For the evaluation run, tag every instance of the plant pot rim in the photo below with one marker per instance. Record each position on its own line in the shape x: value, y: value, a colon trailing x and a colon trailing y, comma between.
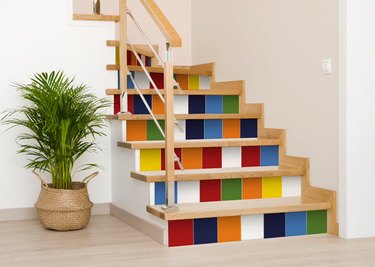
x: 81, y: 184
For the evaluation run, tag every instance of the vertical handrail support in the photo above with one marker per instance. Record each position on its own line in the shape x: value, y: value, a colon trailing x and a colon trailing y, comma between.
x: 123, y: 56
x: 169, y: 133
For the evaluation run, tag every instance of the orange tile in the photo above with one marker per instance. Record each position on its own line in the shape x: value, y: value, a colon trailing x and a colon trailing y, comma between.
x: 133, y: 60
x: 192, y: 158
x: 157, y: 105
x: 251, y: 188
x: 229, y: 229
x: 231, y: 129
x: 183, y: 80
x: 136, y: 130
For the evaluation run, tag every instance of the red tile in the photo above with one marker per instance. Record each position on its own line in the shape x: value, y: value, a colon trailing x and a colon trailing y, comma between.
x: 129, y: 57
x: 116, y: 104
x: 178, y: 153
x: 250, y: 156
x: 131, y: 103
x: 180, y: 233
x: 211, y: 157
x: 158, y: 79
x: 210, y: 190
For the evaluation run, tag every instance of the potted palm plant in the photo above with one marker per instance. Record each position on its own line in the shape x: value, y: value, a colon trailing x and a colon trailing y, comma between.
x: 62, y: 121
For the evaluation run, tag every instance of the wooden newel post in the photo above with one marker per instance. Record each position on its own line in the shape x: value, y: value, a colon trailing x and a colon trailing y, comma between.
x: 123, y: 56
x: 169, y: 131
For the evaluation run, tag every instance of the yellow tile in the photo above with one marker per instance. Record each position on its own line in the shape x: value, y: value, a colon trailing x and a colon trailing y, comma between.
x: 150, y: 160
x: 272, y: 187
x: 193, y: 82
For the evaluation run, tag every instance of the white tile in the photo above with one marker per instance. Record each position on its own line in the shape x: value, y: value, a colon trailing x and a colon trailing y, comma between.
x: 204, y: 82
x: 291, y: 186
x: 143, y: 59
x: 137, y: 154
x: 180, y: 135
x: 123, y: 127
x: 152, y: 194
x: 252, y: 227
x: 231, y: 157
x: 181, y: 104
x: 142, y: 81
x: 188, y: 192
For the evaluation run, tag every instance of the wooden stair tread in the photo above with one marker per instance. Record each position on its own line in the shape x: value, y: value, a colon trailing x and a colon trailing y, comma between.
x: 187, y: 116
x: 140, y: 50
x: 176, y: 92
x: 228, y: 142
x: 96, y: 17
x: 239, y: 207
x: 219, y: 173
x: 176, y: 70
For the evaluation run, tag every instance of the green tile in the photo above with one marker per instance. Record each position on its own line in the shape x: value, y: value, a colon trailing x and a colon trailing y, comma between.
x: 316, y: 222
x: 231, y: 104
x: 153, y: 132
x: 231, y: 189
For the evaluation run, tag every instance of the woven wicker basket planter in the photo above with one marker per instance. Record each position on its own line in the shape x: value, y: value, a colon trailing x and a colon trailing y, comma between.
x: 64, y: 210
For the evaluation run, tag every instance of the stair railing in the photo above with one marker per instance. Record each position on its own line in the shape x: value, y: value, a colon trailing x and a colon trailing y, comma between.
x: 148, y: 75
x: 172, y: 40
x: 145, y: 37
x: 176, y: 158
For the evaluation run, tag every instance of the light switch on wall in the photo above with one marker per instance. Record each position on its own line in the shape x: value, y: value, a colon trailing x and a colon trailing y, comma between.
x: 326, y: 66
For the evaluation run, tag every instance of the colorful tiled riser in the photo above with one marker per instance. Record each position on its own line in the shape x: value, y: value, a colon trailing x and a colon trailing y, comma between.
x: 211, y: 157
x: 183, y: 104
x: 229, y: 189
x: 132, y: 60
x: 146, y: 130
x: 237, y: 228
x: 193, y: 104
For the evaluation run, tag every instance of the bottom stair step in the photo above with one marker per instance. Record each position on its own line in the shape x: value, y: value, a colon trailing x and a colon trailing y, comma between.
x: 238, y: 208
x: 230, y: 221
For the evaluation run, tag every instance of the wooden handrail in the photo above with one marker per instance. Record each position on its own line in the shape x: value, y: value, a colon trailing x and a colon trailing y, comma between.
x: 163, y: 23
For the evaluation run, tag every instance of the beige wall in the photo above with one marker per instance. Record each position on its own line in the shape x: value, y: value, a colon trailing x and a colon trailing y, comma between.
x: 277, y: 46
x: 178, y: 12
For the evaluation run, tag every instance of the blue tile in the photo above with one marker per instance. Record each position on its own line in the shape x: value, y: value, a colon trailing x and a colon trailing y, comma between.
x: 194, y: 129
x: 249, y: 128
x: 197, y: 104
x: 160, y: 193
x: 295, y: 223
x: 269, y: 156
x: 139, y: 106
x: 205, y: 231
x: 214, y: 104
x: 213, y: 129
x: 274, y: 225
x: 130, y: 83
x: 118, y: 79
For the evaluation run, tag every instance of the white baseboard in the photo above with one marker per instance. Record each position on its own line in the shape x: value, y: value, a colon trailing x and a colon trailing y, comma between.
x: 22, y: 214
x: 152, y: 230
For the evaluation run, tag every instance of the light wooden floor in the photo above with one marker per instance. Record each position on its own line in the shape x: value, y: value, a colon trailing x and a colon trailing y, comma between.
x: 108, y: 242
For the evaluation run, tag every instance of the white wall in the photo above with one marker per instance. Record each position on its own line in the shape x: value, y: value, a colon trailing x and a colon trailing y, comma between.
x: 43, y: 38
x: 178, y: 12
x: 277, y: 47
x: 357, y: 117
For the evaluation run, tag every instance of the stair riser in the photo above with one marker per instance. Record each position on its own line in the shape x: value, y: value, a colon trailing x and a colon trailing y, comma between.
x: 194, y: 129
x: 187, y: 82
x: 238, y: 228
x: 210, y: 157
x: 194, y: 104
x: 230, y: 189
x: 132, y: 60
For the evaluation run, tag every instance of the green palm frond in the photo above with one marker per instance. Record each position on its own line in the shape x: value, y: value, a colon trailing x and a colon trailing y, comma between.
x: 63, y: 121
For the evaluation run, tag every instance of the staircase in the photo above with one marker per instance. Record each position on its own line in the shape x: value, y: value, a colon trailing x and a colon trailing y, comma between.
x: 237, y: 183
